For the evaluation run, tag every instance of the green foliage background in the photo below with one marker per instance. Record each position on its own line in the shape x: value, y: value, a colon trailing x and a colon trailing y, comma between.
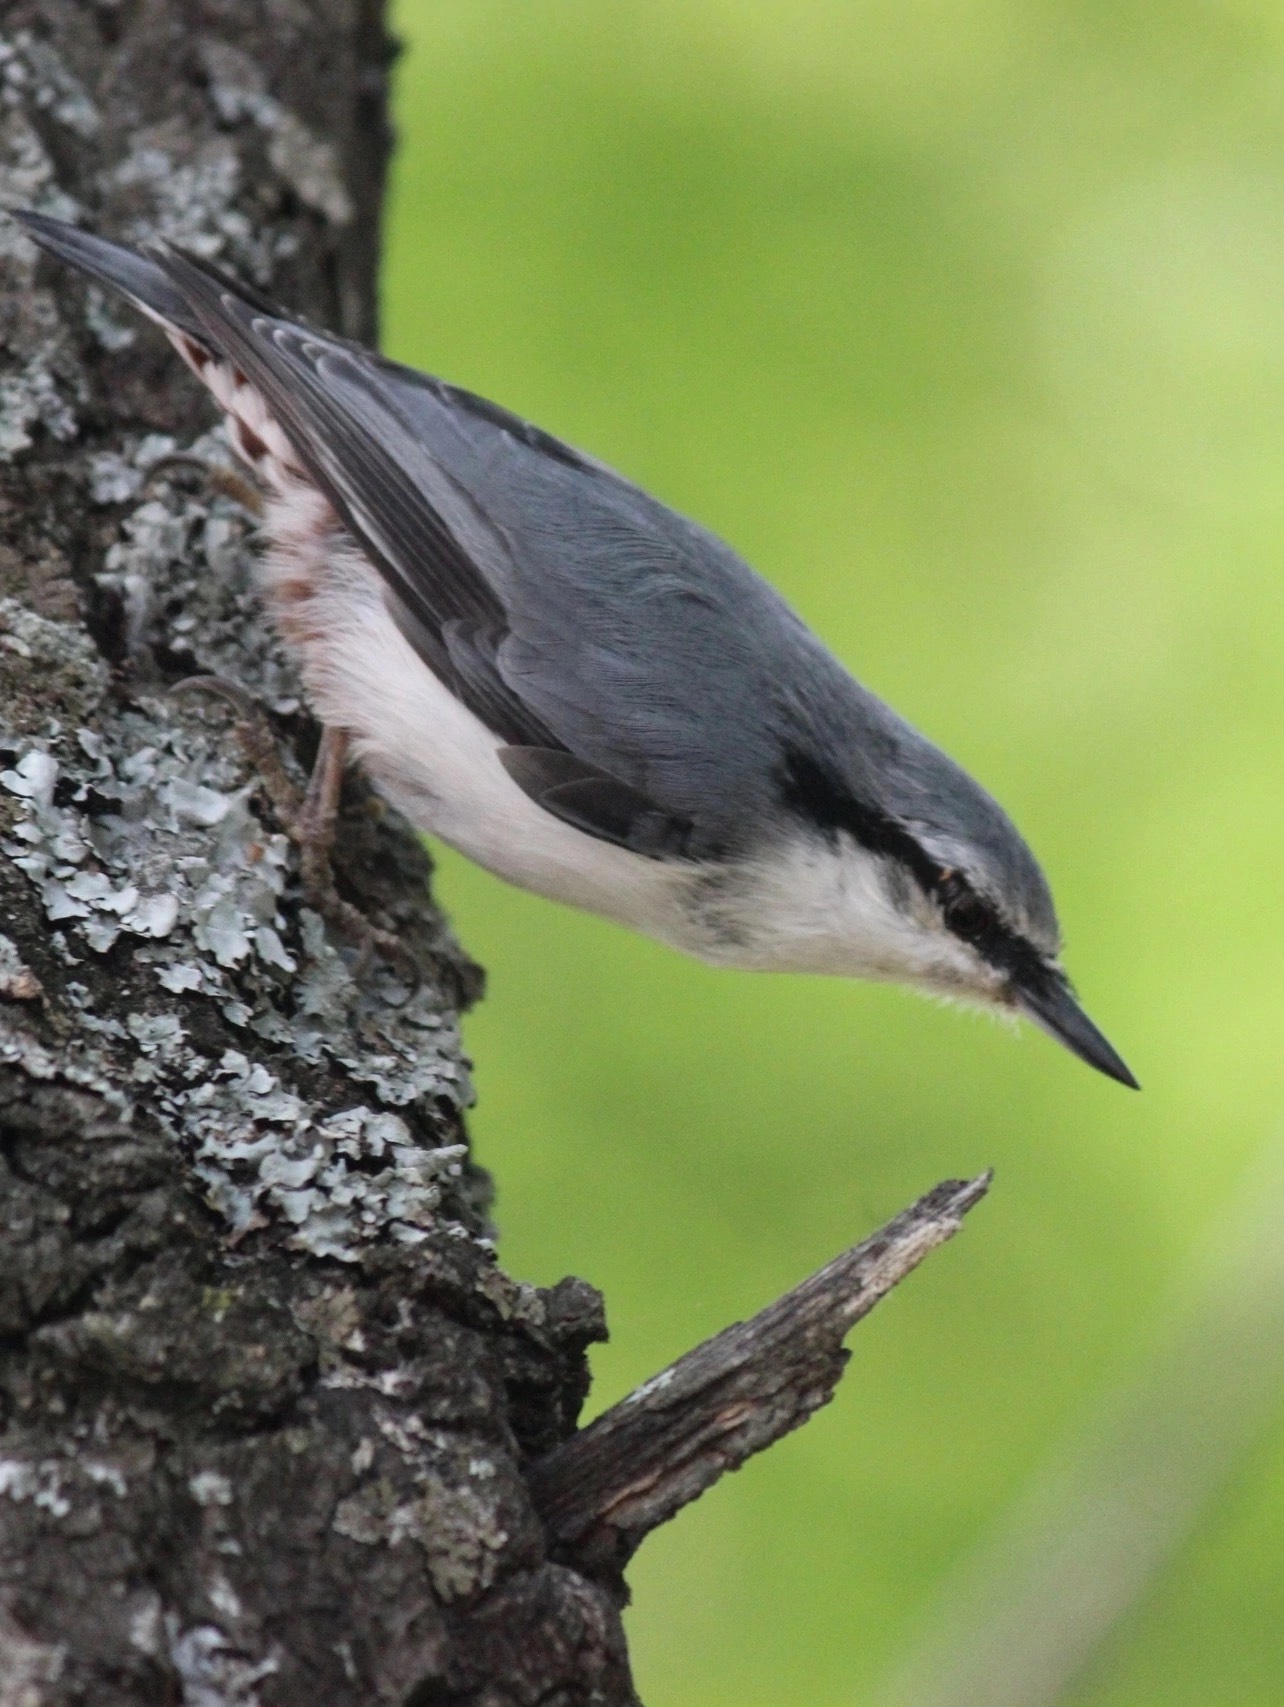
x: 964, y: 321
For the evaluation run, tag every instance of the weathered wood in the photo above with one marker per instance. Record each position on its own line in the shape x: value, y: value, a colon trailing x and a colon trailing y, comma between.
x: 605, y: 1489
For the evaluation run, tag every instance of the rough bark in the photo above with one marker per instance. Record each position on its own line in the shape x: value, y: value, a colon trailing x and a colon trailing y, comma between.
x: 270, y: 1414
x: 602, y: 1491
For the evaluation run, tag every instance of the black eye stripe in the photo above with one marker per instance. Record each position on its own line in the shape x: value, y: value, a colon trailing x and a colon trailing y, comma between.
x: 974, y: 920
x: 808, y: 789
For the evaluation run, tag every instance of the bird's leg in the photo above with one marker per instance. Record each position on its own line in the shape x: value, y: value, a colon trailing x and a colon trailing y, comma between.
x: 313, y: 831
x: 309, y: 819
x: 315, y: 821
x: 229, y: 481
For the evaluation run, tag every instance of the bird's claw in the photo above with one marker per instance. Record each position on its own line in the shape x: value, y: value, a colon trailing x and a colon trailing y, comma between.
x: 259, y: 745
x: 309, y: 819
x: 228, y: 481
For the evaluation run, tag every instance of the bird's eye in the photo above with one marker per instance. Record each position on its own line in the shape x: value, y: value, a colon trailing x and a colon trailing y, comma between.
x: 966, y: 913
x: 973, y: 919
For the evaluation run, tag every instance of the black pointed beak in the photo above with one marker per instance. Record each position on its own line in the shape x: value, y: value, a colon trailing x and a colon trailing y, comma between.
x: 1052, y: 1007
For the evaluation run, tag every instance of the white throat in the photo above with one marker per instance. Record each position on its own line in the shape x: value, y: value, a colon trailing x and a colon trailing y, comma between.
x: 828, y: 906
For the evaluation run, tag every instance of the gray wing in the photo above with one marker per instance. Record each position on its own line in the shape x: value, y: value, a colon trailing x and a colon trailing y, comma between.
x: 633, y: 663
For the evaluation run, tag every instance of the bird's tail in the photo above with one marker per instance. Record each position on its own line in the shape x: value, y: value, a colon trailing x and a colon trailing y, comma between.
x: 154, y: 284
x: 141, y: 280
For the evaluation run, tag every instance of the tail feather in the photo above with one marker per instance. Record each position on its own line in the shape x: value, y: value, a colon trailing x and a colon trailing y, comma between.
x: 153, y: 284
x: 134, y: 276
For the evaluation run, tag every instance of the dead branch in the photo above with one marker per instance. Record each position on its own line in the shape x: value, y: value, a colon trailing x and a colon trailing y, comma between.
x: 603, y: 1491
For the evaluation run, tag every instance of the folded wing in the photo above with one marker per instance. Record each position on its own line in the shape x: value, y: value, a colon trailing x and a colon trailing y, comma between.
x: 624, y: 655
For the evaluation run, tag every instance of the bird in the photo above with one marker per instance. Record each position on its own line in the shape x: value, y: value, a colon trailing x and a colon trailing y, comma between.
x: 583, y: 691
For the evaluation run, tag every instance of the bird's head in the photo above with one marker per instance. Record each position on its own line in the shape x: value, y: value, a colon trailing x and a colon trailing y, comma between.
x: 998, y: 942
x: 932, y: 885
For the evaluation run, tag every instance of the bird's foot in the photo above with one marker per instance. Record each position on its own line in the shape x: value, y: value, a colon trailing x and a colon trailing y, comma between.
x: 313, y: 831
x: 229, y: 481
x: 258, y: 743
x: 310, y: 819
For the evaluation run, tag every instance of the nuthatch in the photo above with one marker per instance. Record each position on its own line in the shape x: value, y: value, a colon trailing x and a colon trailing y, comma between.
x: 583, y: 691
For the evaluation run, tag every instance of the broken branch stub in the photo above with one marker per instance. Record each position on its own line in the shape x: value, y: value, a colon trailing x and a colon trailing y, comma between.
x: 601, y: 1492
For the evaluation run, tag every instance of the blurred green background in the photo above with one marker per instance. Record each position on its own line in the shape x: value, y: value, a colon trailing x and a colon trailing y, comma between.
x: 964, y: 321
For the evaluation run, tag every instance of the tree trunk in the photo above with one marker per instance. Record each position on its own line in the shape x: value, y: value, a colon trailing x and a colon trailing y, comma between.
x: 274, y: 1427
x: 265, y: 1396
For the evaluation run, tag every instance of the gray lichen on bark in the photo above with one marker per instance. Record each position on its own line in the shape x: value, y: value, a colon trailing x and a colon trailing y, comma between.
x: 136, y: 826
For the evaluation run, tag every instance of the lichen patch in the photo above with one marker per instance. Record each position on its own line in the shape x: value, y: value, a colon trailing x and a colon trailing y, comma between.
x: 157, y: 865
